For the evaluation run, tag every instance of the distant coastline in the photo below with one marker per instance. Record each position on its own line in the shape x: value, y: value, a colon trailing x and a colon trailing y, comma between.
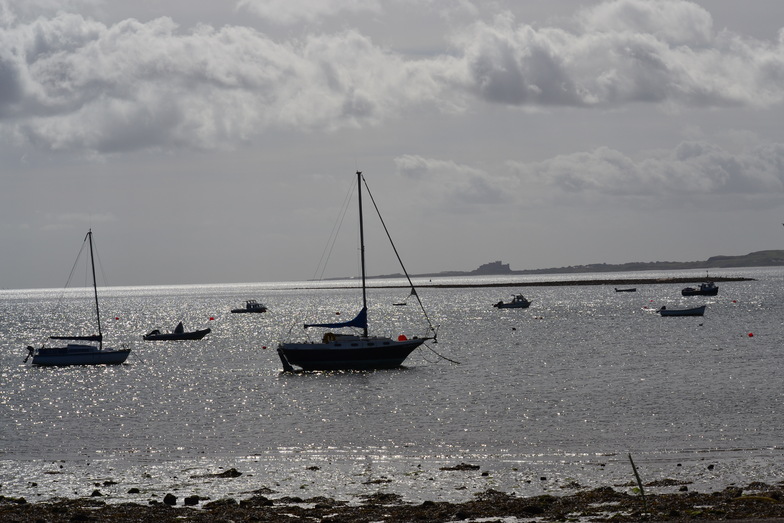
x: 550, y: 283
x: 770, y: 258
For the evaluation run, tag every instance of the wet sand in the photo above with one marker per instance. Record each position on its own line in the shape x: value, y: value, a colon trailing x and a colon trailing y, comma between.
x: 623, y: 503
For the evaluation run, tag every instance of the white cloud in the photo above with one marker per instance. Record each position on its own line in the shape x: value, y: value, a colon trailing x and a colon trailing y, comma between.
x: 291, y: 12
x: 294, y: 11
x: 12, y: 11
x: 72, y: 83
x: 692, y: 169
x: 621, y: 52
x: 672, y: 21
x: 461, y: 188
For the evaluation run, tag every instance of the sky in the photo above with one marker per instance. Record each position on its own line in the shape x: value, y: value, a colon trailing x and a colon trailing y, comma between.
x: 216, y: 142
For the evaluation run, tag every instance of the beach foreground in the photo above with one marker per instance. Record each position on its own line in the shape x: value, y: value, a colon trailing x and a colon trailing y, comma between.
x: 755, y: 502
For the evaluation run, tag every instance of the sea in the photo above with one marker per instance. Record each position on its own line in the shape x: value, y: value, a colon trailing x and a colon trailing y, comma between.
x: 558, y: 397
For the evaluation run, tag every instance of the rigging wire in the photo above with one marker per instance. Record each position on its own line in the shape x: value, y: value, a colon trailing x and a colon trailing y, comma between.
x: 70, y: 275
x: 87, y: 273
x: 441, y: 355
x: 326, y: 253
x: 400, y: 261
x: 333, y: 235
x: 100, y: 265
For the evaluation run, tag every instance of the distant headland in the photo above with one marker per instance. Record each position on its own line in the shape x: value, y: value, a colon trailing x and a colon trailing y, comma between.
x: 771, y: 258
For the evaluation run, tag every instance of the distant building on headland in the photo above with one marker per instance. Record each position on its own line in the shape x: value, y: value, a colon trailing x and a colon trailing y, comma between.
x: 768, y: 258
x: 495, y: 267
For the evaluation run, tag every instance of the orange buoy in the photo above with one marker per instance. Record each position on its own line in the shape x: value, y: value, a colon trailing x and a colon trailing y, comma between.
x: 402, y: 337
x: 751, y: 335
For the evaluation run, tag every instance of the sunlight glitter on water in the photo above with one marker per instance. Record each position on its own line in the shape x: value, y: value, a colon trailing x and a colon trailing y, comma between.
x: 563, y: 390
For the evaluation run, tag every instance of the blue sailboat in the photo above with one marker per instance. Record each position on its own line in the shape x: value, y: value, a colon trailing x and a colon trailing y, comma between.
x: 339, y: 351
x: 80, y: 353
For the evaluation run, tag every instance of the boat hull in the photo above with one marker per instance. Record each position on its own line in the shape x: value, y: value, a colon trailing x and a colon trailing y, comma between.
x: 699, y: 292
x: 182, y: 336
x: 353, y: 355
x: 78, y: 355
x: 518, y: 305
x: 251, y: 306
x: 704, y: 289
x: 697, y: 311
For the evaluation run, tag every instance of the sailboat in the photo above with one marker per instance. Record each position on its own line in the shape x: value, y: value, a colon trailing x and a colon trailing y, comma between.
x: 352, y: 351
x: 80, y: 353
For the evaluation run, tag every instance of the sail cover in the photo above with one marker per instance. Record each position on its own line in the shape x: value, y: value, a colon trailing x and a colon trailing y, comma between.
x: 95, y: 337
x: 359, y: 322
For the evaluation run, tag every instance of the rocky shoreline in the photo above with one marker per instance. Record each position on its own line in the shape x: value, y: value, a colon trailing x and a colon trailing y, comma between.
x: 754, y: 502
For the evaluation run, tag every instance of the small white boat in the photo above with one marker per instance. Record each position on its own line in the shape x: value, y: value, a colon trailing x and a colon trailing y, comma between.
x: 80, y: 353
x: 696, y: 311
x: 518, y: 302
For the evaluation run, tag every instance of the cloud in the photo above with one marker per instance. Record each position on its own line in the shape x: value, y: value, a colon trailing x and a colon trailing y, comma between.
x: 462, y: 188
x: 12, y: 11
x: 287, y: 12
x: 291, y: 12
x: 72, y: 83
x: 691, y: 170
x: 672, y: 21
x: 694, y: 175
x: 621, y: 52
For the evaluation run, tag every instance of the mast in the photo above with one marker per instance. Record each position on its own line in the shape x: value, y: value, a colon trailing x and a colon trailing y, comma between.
x: 95, y: 288
x: 361, y: 248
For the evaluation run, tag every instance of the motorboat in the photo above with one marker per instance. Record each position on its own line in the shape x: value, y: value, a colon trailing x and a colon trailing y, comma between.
x: 704, y: 289
x: 178, y: 334
x: 251, y: 306
x: 696, y: 311
x: 518, y: 302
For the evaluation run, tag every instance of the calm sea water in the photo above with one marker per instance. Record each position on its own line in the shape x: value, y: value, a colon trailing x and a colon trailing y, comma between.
x: 542, y: 400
